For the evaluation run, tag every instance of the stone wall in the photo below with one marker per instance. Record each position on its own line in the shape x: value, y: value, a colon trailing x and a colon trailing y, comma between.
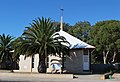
x: 74, y: 63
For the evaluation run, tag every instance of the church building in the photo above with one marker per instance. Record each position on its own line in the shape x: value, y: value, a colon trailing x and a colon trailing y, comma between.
x: 79, y: 60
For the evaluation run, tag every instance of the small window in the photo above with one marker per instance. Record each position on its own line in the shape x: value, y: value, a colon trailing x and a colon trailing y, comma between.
x: 33, y: 61
x: 86, y: 58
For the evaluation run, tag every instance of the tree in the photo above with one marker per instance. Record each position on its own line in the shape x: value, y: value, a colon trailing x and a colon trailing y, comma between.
x: 5, y: 49
x: 80, y: 30
x: 56, y: 26
x: 105, y: 36
x: 40, y: 39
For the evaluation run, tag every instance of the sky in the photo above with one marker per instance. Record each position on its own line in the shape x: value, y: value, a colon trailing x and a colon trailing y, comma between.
x: 15, y: 15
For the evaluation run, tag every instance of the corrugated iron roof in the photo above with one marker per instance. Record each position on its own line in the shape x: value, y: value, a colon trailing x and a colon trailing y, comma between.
x: 74, y: 42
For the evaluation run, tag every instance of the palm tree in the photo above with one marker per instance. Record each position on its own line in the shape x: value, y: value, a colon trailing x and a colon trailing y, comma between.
x: 40, y: 39
x: 5, y: 48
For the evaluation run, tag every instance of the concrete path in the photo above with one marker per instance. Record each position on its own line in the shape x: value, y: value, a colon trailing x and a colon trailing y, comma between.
x: 33, y: 77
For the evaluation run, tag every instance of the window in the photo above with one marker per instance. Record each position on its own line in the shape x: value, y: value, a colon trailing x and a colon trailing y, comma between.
x: 33, y: 61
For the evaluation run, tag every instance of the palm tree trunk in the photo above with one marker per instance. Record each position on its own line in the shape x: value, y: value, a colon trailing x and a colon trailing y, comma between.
x: 42, y: 66
x: 46, y: 59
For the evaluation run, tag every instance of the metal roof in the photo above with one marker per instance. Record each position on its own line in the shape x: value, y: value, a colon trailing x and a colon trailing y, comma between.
x: 74, y: 42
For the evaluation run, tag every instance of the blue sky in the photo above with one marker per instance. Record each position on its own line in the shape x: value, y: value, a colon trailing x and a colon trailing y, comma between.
x: 15, y: 15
